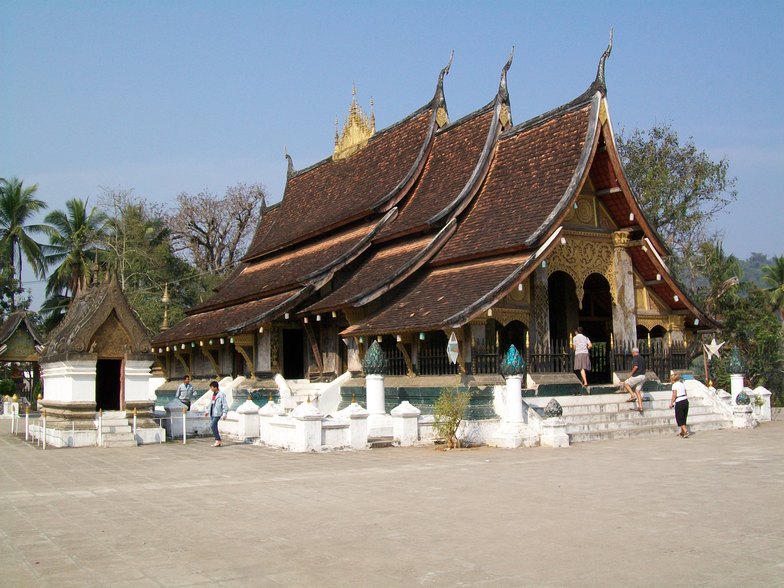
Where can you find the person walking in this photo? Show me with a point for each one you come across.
(680, 401)
(636, 378)
(582, 359)
(218, 410)
(185, 391)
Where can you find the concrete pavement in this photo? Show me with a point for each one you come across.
(660, 511)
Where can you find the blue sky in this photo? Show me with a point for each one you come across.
(169, 97)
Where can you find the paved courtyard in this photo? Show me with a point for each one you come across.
(662, 511)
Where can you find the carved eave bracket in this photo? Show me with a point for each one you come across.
(245, 346)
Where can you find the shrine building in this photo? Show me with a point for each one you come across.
(496, 232)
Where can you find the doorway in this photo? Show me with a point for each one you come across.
(108, 384)
(293, 354)
(595, 317)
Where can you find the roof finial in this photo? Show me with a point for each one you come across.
(290, 170)
(509, 61)
(502, 86)
(600, 70)
(446, 68)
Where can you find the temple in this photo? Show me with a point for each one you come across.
(498, 233)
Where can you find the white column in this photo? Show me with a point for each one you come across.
(514, 399)
(736, 386)
(624, 310)
(375, 393)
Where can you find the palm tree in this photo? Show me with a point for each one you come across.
(17, 206)
(72, 234)
(773, 276)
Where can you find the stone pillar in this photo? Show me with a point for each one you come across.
(266, 414)
(308, 425)
(624, 309)
(405, 423)
(263, 352)
(375, 394)
(540, 314)
(742, 416)
(357, 418)
(248, 421)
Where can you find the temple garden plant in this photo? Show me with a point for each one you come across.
(449, 411)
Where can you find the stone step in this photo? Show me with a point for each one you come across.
(118, 440)
(631, 415)
(113, 414)
(643, 432)
(641, 422)
(116, 429)
(379, 442)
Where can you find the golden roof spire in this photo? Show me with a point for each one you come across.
(357, 129)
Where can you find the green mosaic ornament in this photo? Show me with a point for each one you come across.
(375, 361)
(553, 410)
(735, 365)
(513, 363)
(742, 399)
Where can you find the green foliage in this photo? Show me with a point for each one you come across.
(17, 206)
(773, 279)
(74, 236)
(679, 188)
(12, 296)
(749, 324)
(449, 411)
(7, 387)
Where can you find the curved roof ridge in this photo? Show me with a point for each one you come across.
(500, 104)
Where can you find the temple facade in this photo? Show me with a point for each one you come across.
(494, 232)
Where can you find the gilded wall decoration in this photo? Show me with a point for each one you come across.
(506, 315)
(579, 258)
(275, 337)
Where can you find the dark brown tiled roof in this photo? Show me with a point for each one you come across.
(454, 156)
(286, 269)
(218, 322)
(437, 296)
(13, 321)
(379, 268)
(332, 193)
(531, 172)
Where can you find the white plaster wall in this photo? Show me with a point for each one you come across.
(137, 380)
(69, 381)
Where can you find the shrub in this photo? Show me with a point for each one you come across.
(449, 411)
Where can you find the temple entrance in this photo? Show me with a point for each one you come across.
(108, 384)
(563, 307)
(293, 354)
(595, 317)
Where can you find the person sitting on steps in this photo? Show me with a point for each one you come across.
(636, 378)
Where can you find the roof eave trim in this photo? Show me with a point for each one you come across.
(414, 264)
(580, 172)
(283, 307)
(357, 250)
(502, 289)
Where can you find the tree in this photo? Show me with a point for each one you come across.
(11, 295)
(213, 232)
(773, 278)
(17, 207)
(722, 274)
(138, 249)
(679, 188)
(74, 235)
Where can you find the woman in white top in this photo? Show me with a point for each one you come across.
(582, 359)
(681, 403)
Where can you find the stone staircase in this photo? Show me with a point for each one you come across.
(597, 417)
(115, 430)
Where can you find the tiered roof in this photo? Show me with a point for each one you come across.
(434, 222)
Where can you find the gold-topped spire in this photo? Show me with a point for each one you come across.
(357, 129)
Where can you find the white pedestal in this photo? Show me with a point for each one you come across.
(266, 414)
(554, 433)
(357, 418)
(405, 423)
(307, 420)
(247, 421)
(761, 411)
(743, 416)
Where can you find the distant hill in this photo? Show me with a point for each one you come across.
(752, 268)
